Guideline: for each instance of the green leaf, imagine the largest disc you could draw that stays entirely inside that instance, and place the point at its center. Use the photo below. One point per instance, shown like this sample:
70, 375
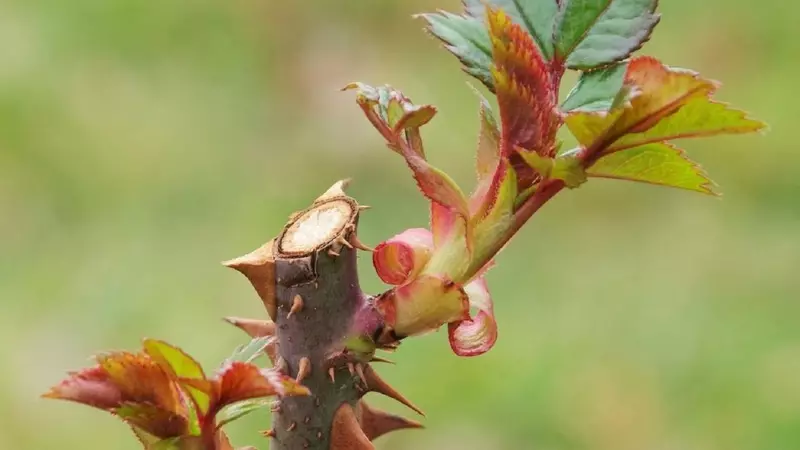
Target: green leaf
237, 410
658, 163
596, 89
467, 38
592, 33
537, 16
488, 143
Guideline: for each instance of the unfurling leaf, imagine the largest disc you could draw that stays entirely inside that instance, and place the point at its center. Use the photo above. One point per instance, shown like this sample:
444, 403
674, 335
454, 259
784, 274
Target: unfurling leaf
179, 365
525, 92
488, 144
402, 257
656, 163
475, 336
239, 381
592, 33
241, 409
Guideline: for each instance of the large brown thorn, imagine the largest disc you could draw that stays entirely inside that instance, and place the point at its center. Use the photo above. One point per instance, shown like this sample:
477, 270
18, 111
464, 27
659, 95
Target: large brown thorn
346, 433
376, 423
376, 384
304, 369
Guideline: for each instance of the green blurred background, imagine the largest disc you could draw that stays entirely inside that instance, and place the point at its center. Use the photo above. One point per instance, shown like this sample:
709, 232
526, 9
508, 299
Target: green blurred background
143, 141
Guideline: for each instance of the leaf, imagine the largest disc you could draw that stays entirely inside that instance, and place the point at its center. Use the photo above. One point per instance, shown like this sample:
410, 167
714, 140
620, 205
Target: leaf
537, 16
661, 92
473, 337
142, 380
238, 381
525, 93
251, 350
238, 410
90, 387
400, 258
591, 33
153, 419
657, 163
698, 117
180, 365
466, 38
488, 143
596, 89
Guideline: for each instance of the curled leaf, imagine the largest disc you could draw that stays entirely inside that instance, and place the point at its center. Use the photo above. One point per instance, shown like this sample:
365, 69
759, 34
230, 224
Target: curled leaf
402, 257
475, 336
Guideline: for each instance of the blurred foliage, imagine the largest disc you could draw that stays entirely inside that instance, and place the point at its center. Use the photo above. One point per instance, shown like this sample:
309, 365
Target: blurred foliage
143, 141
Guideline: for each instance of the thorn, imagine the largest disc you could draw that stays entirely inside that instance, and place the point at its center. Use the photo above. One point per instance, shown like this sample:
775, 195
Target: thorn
259, 267
360, 371
351, 368
275, 407
344, 242
332, 252
319, 435
346, 433
376, 423
307, 420
292, 426
376, 384
383, 360
317, 402
269, 433
297, 306
332, 374
304, 370
360, 245
364, 207
253, 327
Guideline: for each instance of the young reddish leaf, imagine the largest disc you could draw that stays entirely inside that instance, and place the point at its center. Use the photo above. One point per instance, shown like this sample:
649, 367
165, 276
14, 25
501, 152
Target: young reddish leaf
592, 33
475, 336
467, 39
142, 380
153, 420
423, 305
596, 89
401, 258
525, 93
239, 381
537, 16
444, 223
657, 163
91, 387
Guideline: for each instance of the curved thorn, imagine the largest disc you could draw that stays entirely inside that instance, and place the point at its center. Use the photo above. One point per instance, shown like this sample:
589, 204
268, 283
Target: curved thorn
332, 374
376, 423
332, 252
360, 371
292, 426
364, 207
297, 306
269, 433
344, 242
383, 360
304, 370
360, 245
351, 368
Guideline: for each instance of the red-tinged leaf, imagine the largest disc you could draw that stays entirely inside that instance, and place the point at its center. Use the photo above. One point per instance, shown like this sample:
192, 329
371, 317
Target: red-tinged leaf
401, 258
698, 117
153, 420
179, 365
423, 305
499, 199
475, 336
660, 92
525, 92
415, 116
142, 380
657, 163
91, 387
239, 381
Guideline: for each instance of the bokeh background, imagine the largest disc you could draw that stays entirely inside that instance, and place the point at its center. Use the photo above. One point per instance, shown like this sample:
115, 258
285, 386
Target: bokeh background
141, 142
